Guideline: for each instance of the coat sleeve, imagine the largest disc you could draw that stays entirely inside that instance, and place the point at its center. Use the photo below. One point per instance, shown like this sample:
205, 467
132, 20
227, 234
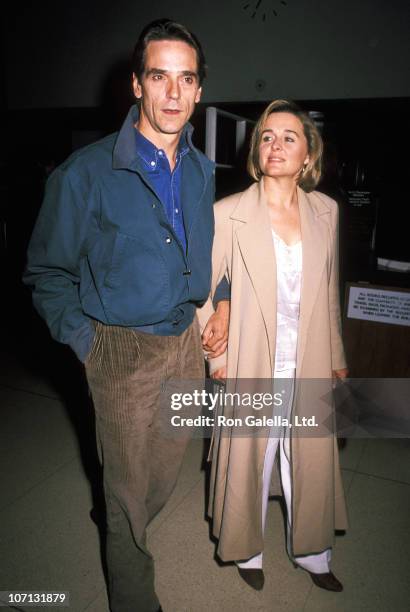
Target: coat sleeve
53, 262
337, 350
219, 272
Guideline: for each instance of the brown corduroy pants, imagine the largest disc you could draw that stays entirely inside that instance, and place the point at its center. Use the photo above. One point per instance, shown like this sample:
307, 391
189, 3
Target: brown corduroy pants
126, 372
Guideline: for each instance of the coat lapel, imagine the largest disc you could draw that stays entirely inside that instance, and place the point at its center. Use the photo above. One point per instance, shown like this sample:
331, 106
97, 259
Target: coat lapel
255, 241
314, 249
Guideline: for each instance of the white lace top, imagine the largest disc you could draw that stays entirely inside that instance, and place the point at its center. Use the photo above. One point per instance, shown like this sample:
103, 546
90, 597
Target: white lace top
289, 278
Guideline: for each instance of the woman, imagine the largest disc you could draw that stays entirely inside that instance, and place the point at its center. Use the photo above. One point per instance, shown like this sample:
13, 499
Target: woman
277, 244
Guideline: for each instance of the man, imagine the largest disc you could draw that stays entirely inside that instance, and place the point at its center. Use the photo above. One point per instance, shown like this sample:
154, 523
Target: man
119, 260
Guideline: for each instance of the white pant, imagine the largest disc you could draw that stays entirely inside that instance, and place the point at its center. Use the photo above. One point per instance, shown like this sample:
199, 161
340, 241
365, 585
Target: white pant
317, 563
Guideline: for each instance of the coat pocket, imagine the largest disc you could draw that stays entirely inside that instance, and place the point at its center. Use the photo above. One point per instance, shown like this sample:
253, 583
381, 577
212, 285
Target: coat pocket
136, 288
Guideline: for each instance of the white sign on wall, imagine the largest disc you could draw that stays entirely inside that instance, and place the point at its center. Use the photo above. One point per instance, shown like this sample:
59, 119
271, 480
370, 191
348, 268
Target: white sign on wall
381, 305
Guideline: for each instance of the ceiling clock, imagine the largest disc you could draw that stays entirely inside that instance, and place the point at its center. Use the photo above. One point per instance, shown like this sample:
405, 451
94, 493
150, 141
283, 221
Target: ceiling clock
263, 9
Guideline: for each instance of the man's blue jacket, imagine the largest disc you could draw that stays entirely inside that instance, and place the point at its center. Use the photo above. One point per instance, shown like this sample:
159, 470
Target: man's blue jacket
103, 249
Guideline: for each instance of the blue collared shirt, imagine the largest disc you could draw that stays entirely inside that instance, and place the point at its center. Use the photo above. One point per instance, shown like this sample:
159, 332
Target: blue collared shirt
166, 183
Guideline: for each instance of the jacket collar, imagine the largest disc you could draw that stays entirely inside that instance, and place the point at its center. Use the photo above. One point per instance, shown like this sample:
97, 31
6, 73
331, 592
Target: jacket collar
125, 155
196, 169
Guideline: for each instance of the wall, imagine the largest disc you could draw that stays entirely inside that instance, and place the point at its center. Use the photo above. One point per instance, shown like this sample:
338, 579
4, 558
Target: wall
65, 54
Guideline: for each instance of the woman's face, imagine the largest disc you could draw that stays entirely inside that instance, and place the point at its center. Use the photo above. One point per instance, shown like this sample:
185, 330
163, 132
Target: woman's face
283, 149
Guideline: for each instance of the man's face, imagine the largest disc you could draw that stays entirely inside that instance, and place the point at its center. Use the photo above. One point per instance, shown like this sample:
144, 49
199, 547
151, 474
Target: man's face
169, 88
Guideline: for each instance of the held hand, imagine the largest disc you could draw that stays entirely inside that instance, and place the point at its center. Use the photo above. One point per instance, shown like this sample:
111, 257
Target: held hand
215, 334
340, 374
219, 374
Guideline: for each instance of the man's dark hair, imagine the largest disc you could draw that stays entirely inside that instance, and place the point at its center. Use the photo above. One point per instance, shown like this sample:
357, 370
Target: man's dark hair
165, 29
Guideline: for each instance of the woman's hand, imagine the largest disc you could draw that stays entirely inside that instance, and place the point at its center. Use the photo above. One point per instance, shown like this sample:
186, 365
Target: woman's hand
340, 374
215, 334
219, 374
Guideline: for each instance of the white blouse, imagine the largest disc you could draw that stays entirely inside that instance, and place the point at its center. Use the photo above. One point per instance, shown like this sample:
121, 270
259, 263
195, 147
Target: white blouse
289, 279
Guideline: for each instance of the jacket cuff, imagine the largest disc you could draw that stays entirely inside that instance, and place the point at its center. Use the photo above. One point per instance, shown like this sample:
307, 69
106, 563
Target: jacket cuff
222, 292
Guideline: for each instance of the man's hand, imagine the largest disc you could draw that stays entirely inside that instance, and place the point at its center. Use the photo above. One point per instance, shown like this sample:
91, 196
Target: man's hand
215, 334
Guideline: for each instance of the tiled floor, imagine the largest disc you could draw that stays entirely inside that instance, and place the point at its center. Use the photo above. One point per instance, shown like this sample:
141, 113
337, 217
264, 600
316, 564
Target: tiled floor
48, 541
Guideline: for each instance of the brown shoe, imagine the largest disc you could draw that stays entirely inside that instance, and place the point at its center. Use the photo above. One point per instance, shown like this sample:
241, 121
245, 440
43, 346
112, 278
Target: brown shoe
326, 581
254, 577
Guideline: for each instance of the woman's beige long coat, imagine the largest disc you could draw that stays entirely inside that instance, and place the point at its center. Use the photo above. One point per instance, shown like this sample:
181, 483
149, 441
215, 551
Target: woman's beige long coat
244, 251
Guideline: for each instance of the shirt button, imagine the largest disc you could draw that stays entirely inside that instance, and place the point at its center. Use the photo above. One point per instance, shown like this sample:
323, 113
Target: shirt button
160, 153
153, 205
176, 210
152, 163
168, 240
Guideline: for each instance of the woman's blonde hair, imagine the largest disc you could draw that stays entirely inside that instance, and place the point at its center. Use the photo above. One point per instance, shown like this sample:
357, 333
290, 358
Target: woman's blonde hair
310, 176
